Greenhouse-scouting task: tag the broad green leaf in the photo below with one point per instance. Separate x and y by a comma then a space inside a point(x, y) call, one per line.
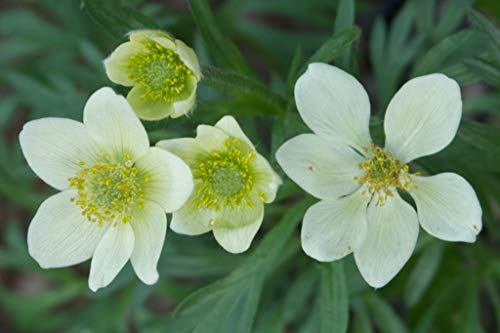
point(298, 294)
point(483, 103)
point(387, 320)
point(234, 83)
point(116, 18)
point(450, 51)
point(487, 70)
point(344, 19)
point(225, 53)
point(335, 45)
point(334, 299)
point(230, 304)
point(392, 51)
point(481, 23)
point(423, 272)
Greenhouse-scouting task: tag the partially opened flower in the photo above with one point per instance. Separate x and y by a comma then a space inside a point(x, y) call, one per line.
point(162, 70)
point(115, 190)
point(360, 209)
point(232, 183)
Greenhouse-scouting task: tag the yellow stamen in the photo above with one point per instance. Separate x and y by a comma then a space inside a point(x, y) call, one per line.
point(226, 177)
point(161, 73)
point(384, 173)
point(108, 191)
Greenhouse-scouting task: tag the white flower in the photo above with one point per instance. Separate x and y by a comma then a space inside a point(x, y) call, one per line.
point(232, 183)
point(163, 71)
point(360, 209)
point(115, 190)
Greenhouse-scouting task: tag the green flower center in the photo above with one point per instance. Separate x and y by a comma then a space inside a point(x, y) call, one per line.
point(161, 72)
point(383, 174)
point(226, 177)
point(107, 192)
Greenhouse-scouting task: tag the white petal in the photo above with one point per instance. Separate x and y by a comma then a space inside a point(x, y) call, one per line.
point(189, 220)
point(266, 179)
point(189, 57)
point(323, 169)
point(390, 240)
point(181, 108)
point(229, 125)
point(116, 65)
point(170, 180)
point(150, 227)
point(334, 228)
point(447, 207)
point(111, 122)
point(189, 149)
point(53, 148)
point(148, 109)
point(146, 35)
point(423, 117)
point(112, 253)
point(238, 239)
point(59, 235)
point(211, 138)
point(334, 104)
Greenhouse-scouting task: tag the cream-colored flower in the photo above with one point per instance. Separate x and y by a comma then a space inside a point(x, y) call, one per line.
point(360, 209)
point(232, 183)
point(115, 190)
point(162, 70)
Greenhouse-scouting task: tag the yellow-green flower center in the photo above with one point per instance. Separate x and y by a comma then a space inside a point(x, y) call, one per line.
point(108, 191)
point(161, 73)
point(384, 173)
point(226, 177)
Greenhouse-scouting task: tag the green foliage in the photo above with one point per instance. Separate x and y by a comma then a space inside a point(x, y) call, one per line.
point(252, 52)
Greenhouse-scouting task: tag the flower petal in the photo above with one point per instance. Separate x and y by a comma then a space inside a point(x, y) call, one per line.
point(111, 122)
point(147, 109)
point(170, 181)
point(188, 149)
point(150, 227)
point(116, 64)
point(183, 107)
point(334, 228)
point(59, 235)
point(145, 35)
point(447, 207)
point(238, 239)
point(54, 147)
point(189, 220)
point(390, 240)
point(229, 125)
point(321, 168)
point(266, 179)
point(189, 57)
point(334, 105)
point(423, 117)
point(112, 253)
point(211, 138)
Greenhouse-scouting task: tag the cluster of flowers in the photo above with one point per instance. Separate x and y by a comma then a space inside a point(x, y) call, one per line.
point(116, 189)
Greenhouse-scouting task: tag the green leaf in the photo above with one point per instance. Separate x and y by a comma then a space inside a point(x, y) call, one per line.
point(334, 301)
point(230, 304)
point(298, 294)
point(391, 52)
point(385, 317)
point(423, 272)
point(450, 51)
point(234, 83)
point(483, 103)
point(116, 18)
point(225, 53)
point(481, 23)
point(345, 19)
point(335, 45)
point(487, 70)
